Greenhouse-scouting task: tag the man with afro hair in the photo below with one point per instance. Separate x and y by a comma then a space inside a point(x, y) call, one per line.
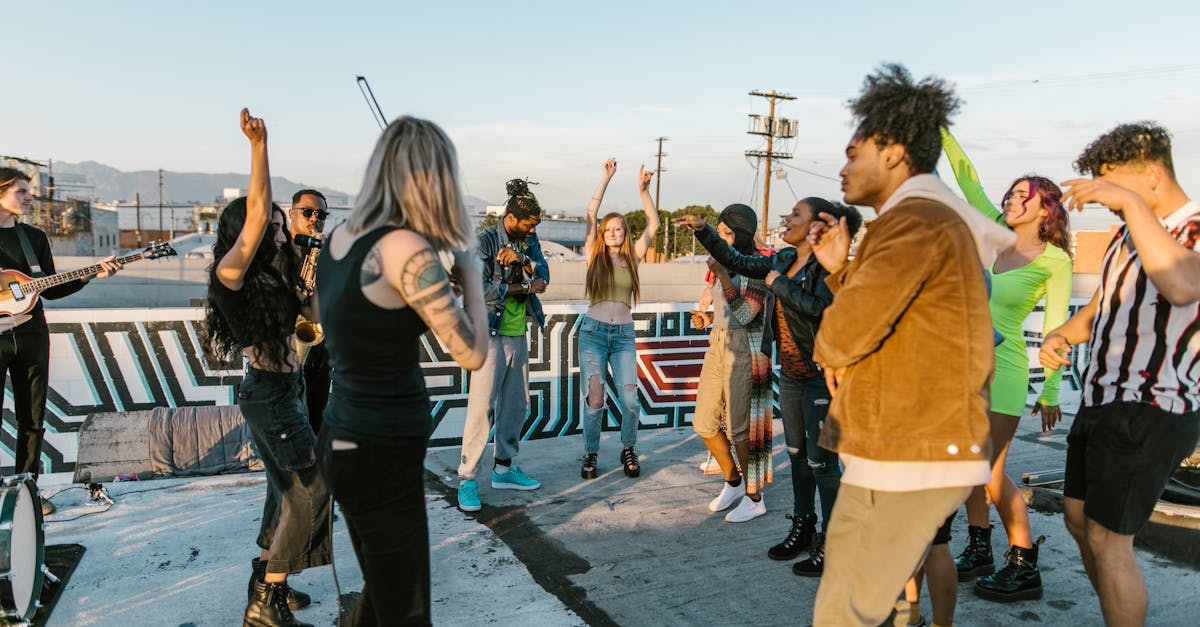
point(906, 348)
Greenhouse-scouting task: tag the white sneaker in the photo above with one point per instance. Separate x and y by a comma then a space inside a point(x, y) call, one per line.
point(746, 510)
point(710, 466)
point(728, 495)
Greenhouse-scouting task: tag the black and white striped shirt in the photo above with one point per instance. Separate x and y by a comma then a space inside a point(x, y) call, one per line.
point(1143, 349)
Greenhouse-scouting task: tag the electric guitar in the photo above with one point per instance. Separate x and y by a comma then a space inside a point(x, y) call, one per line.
point(19, 291)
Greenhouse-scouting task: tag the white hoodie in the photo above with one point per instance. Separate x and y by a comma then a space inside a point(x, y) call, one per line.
point(990, 238)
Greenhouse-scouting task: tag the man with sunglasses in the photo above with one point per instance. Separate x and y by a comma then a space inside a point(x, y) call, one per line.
point(307, 217)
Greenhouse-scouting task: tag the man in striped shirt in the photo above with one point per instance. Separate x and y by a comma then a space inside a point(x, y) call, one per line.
point(1139, 417)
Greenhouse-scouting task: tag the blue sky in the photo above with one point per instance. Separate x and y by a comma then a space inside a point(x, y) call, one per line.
point(548, 90)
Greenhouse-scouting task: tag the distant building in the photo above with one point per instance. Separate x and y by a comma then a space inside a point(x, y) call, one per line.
point(231, 193)
point(139, 225)
point(106, 232)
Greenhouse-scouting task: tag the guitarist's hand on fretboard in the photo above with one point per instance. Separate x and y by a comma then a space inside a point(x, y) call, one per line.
point(111, 266)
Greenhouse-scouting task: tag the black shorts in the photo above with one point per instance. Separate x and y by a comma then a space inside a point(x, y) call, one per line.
point(943, 533)
point(1120, 457)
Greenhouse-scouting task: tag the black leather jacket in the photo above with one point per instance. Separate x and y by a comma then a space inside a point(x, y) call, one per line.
point(804, 296)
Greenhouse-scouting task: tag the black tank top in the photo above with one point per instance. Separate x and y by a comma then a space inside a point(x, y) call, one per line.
point(375, 353)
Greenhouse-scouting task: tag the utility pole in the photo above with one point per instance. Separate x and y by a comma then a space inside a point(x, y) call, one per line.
point(137, 196)
point(160, 216)
point(772, 127)
point(658, 170)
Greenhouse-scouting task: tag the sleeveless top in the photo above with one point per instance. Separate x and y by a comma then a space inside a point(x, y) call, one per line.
point(375, 353)
point(234, 308)
point(621, 289)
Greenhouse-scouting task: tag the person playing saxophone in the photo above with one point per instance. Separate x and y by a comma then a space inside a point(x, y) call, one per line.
point(307, 217)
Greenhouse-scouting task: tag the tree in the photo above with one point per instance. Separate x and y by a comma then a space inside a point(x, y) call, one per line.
point(684, 243)
point(487, 221)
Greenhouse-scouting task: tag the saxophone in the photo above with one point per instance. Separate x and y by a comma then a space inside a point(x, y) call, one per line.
point(308, 333)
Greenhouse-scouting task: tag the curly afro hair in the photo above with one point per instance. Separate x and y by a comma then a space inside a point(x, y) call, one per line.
point(1139, 142)
point(893, 109)
point(521, 202)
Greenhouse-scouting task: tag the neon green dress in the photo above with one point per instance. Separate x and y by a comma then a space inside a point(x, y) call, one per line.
point(1014, 295)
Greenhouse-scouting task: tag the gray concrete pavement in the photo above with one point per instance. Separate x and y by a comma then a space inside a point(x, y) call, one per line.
point(647, 551)
point(611, 551)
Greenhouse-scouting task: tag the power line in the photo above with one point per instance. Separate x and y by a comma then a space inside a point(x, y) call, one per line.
point(811, 173)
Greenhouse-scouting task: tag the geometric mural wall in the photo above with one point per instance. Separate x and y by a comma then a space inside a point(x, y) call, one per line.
point(115, 360)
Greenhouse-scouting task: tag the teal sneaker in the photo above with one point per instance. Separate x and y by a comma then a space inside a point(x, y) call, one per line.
point(468, 496)
point(514, 479)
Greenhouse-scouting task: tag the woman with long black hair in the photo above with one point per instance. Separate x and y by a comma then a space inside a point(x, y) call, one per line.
point(380, 287)
point(251, 308)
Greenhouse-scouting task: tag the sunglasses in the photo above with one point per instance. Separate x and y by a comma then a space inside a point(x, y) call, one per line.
point(321, 214)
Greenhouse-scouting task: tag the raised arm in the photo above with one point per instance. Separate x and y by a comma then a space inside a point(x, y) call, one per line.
point(231, 269)
point(968, 178)
point(755, 267)
point(414, 271)
point(1171, 266)
point(644, 242)
point(610, 168)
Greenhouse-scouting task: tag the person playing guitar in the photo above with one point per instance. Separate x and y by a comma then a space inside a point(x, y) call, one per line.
point(25, 338)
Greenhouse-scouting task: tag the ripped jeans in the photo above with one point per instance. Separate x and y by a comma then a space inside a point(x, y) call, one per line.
point(603, 346)
point(803, 406)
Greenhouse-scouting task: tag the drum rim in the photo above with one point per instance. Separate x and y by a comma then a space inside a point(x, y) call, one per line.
point(8, 505)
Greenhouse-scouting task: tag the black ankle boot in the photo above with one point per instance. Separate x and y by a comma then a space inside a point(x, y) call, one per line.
point(976, 560)
point(268, 607)
point(814, 566)
point(296, 600)
point(1019, 580)
point(798, 539)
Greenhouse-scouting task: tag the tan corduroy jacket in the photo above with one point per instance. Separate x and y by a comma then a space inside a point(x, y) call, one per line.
point(910, 322)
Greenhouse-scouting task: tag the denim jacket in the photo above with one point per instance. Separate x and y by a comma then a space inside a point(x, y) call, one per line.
point(495, 289)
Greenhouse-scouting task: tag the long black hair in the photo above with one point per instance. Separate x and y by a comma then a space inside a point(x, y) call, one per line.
point(272, 267)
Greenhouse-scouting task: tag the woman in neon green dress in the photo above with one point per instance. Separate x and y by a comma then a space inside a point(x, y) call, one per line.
point(1038, 265)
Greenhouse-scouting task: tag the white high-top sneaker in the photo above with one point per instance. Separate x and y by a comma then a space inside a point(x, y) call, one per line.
point(728, 495)
point(747, 510)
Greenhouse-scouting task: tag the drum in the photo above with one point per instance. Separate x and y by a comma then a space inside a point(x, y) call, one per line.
point(22, 548)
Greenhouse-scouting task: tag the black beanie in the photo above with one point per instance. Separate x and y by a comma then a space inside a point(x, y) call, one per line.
point(742, 221)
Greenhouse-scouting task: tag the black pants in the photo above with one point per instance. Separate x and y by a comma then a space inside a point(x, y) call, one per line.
point(295, 518)
point(25, 355)
point(380, 490)
point(316, 385)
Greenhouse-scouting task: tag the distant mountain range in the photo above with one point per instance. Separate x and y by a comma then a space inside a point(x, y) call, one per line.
point(90, 179)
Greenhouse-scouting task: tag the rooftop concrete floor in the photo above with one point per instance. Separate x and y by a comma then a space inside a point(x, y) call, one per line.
point(610, 551)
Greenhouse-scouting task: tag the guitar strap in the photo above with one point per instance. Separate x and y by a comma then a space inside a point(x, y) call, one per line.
point(30, 257)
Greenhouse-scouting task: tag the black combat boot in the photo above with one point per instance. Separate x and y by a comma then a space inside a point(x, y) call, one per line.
point(798, 539)
point(976, 560)
point(296, 600)
point(268, 607)
point(814, 566)
point(1019, 580)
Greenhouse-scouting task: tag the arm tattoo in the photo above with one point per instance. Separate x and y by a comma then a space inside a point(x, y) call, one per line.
point(372, 268)
point(426, 286)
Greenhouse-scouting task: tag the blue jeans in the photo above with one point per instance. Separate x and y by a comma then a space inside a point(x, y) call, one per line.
point(814, 469)
point(603, 346)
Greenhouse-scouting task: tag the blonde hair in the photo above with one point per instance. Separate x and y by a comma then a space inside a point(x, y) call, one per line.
point(412, 181)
